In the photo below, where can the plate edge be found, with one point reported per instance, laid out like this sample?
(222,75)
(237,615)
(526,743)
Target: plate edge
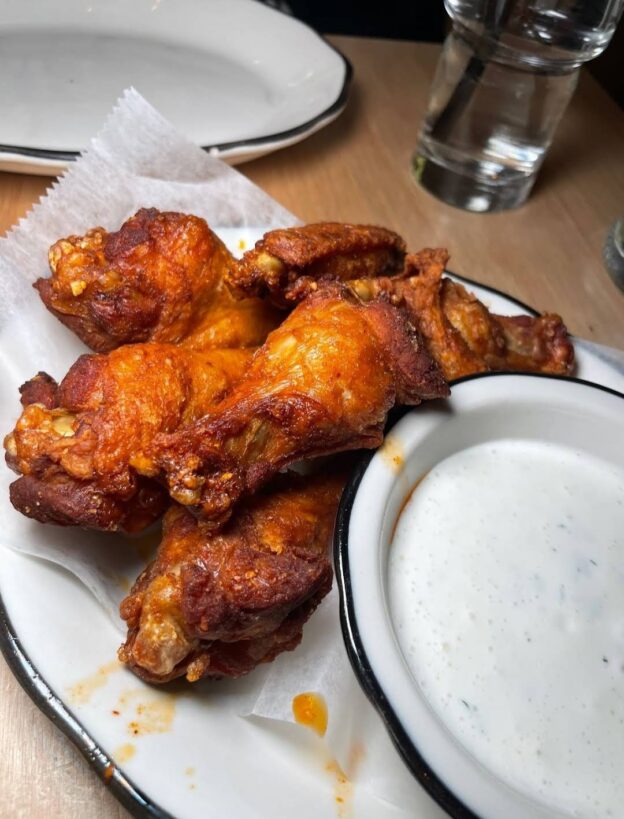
(35,686)
(228,148)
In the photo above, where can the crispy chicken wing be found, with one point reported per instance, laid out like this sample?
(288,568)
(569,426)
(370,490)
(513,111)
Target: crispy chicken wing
(55,497)
(286,265)
(84,447)
(460,332)
(218,604)
(323,382)
(158,278)
(229,323)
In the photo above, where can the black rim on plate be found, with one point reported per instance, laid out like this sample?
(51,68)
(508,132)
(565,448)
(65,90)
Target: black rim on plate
(222,147)
(52,706)
(356,652)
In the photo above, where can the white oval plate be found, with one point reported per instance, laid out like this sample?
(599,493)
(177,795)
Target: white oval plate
(234,76)
(208,762)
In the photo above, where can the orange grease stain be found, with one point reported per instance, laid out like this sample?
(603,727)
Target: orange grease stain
(406,500)
(343,789)
(242,244)
(393,453)
(145,545)
(151,714)
(357,752)
(82,691)
(190,772)
(123,583)
(124,753)
(109,770)
(310,709)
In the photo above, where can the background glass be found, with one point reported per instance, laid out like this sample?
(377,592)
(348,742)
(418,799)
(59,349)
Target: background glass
(506,74)
(613,252)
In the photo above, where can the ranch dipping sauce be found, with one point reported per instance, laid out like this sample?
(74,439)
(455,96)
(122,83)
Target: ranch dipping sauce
(506,591)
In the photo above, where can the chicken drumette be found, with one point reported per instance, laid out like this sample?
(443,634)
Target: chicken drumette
(84,447)
(323,382)
(217,604)
(158,278)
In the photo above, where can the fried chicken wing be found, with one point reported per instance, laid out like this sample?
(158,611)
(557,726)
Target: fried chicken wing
(84,447)
(218,604)
(323,382)
(534,344)
(57,498)
(237,659)
(152,280)
(229,323)
(286,265)
(460,332)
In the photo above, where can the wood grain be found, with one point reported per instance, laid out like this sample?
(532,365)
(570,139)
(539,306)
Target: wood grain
(547,253)
(41,773)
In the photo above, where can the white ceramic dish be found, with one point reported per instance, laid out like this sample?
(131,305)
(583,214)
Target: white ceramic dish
(235,76)
(57,641)
(483,408)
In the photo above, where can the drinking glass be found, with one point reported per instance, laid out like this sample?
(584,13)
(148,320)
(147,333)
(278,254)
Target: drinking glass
(506,74)
(613,252)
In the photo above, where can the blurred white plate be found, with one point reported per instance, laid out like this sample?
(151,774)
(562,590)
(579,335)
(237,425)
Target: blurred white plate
(193,756)
(235,76)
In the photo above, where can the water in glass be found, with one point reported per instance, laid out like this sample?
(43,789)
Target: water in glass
(505,77)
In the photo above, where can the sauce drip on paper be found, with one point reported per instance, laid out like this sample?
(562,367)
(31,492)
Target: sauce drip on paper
(310,709)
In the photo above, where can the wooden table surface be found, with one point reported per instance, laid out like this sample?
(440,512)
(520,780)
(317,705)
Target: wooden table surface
(547,253)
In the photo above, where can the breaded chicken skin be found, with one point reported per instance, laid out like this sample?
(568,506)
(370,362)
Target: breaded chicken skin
(286,265)
(323,382)
(460,332)
(155,279)
(217,604)
(85,448)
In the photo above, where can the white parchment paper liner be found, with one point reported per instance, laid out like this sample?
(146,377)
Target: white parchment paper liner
(139,160)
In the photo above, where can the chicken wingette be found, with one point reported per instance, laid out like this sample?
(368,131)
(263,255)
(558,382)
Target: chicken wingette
(84,447)
(218,603)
